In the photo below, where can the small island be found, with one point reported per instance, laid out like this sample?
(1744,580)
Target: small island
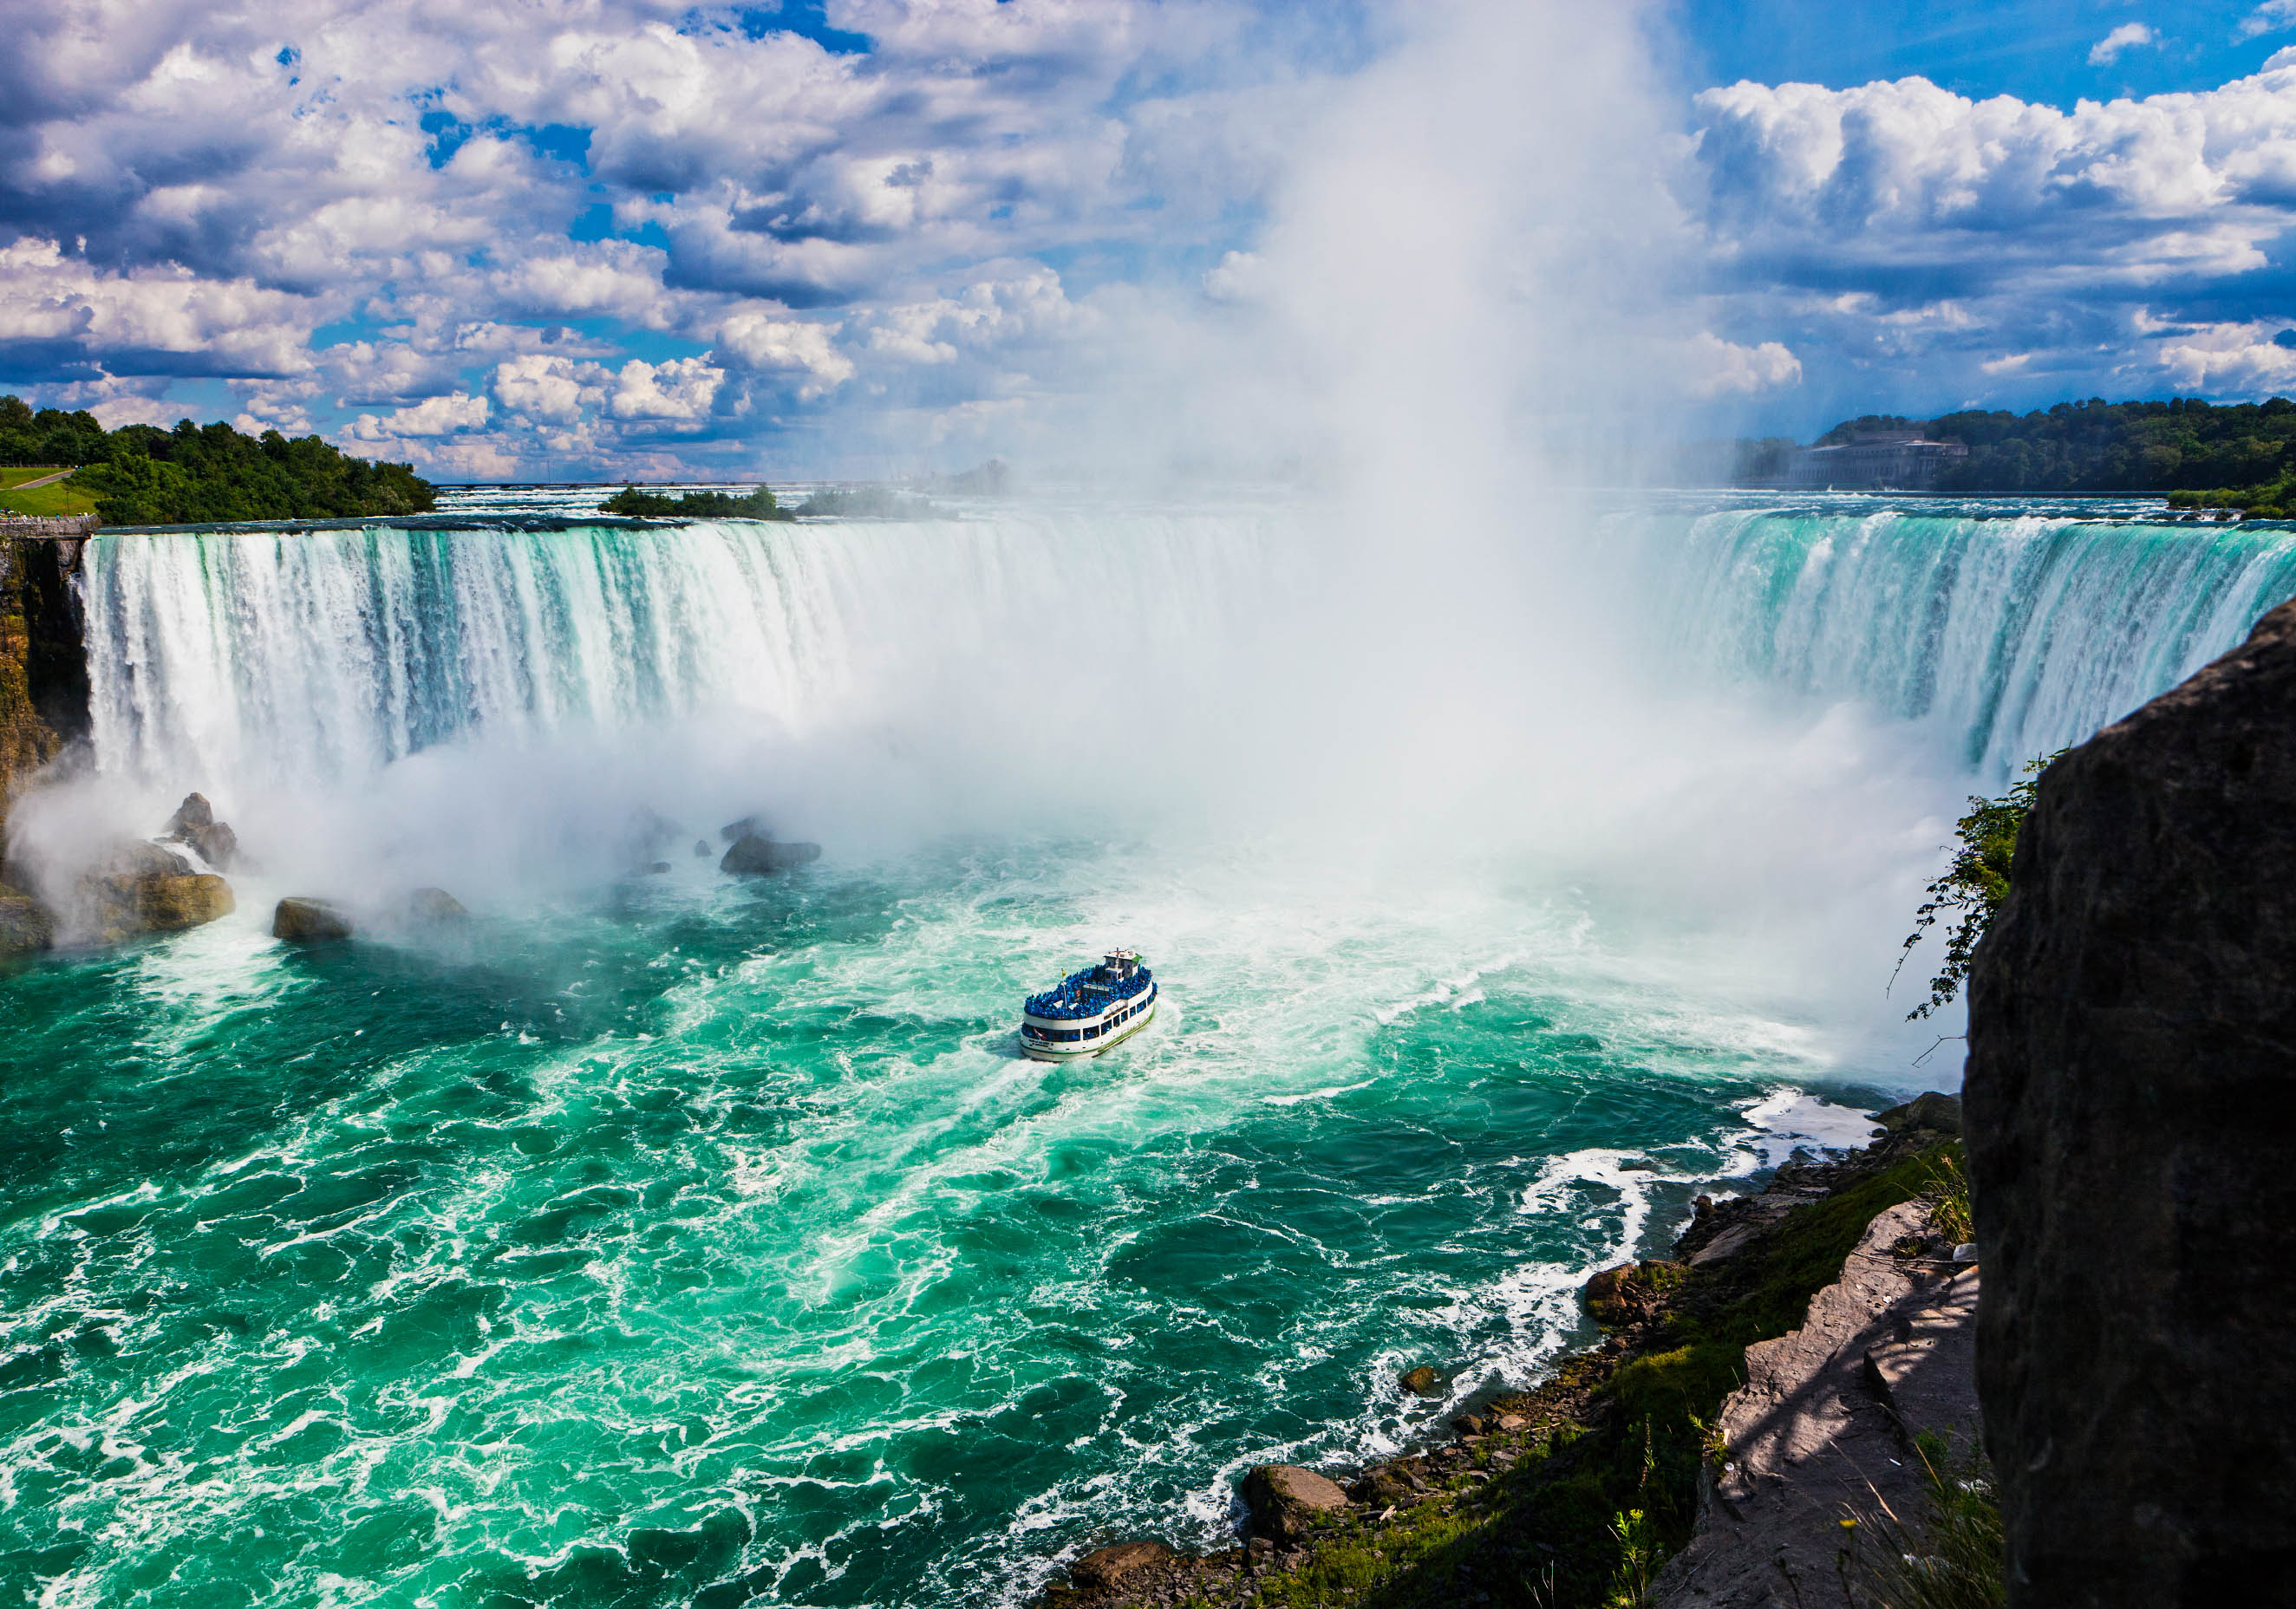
(759,504)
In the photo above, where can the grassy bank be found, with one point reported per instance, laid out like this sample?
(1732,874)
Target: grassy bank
(48,502)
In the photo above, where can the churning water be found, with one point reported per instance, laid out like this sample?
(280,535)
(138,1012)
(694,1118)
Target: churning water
(658,1239)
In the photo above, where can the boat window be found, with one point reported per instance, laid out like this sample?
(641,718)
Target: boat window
(1092,1032)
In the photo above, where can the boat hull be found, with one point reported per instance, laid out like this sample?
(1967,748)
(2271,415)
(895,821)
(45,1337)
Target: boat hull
(1036,1050)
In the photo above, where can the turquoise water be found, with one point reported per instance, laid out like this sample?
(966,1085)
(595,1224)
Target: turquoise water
(700,1244)
(658,1240)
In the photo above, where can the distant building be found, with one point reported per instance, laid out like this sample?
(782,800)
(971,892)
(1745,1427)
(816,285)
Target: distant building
(1899,461)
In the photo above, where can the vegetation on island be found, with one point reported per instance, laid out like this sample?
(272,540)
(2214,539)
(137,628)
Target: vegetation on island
(759,504)
(195,474)
(2097,446)
(1973,888)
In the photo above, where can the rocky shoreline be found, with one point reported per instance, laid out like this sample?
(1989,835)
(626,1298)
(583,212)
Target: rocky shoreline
(1577,1489)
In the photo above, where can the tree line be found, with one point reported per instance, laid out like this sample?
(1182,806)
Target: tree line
(197,474)
(2183,445)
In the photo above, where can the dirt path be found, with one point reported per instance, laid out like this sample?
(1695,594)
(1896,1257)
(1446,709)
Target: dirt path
(44,480)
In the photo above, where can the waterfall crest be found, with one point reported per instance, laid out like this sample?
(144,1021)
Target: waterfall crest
(2019,633)
(321,656)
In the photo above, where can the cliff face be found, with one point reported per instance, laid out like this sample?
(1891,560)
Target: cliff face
(2131,1131)
(43,689)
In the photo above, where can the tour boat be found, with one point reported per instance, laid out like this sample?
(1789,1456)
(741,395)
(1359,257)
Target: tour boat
(1087,1011)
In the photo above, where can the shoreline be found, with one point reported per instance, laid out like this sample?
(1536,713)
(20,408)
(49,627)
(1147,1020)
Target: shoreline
(1583,1485)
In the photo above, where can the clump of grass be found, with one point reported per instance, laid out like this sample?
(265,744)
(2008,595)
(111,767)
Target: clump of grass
(1953,1557)
(1948,1193)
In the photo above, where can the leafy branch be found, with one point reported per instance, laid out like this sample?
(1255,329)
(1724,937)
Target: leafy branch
(1973,885)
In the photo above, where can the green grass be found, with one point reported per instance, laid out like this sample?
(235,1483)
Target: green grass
(16,475)
(48,502)
(1953,1557)
(1590,1511)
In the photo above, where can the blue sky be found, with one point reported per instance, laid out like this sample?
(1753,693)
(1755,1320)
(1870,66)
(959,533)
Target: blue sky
(649,238)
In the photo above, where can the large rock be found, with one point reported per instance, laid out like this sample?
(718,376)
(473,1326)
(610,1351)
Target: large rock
(1940,1113)
(2131,1104)
(142,888)
(303,920)
(172,904)
(432,906)
(1106,1568)
(194,823)
(1286,1500)
(756,856)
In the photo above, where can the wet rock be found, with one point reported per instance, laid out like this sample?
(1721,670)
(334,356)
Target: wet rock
(1469,1425)
(701,849)
(1630,1294)
(1286,1500)
(748,827)
(1106,1568)
(433,905)
(1421,1381)
(145,887)
(1382,1488)
(2131,1103)
(1940,1113)
(194,823)
(763,857)
(302,920)
(25,929)
(657,868)
(172,904)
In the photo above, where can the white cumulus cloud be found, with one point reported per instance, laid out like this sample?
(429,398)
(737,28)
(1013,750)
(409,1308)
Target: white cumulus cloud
(681,388)
(1713,367)
(2127,36)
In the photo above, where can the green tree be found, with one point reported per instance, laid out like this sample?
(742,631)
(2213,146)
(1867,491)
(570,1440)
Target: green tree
(1974,884)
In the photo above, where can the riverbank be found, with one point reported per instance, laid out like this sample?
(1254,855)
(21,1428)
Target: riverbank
(1578,1490)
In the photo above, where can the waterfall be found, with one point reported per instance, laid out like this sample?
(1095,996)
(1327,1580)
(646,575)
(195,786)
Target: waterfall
(2020,634)
(323,656)
(320,655)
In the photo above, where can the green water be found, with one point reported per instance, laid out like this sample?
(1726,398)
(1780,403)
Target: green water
(692,1243)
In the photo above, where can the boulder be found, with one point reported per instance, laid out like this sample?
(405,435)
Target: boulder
(1286,1500)
(2131,1106)
(302,920)
(748,827)
(701,849)
(1633,1293)
(145,887)
(434,905)
(1106,1568)
(1939,1113)
(1420,1382)
(754,857)
(172,904)
(194,823)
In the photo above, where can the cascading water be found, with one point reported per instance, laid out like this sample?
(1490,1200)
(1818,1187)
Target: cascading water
(663,1239)
(2019,631)
(321,656)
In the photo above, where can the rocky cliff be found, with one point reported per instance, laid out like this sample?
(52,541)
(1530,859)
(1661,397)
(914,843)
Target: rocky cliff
(2131,1106)
(43,689)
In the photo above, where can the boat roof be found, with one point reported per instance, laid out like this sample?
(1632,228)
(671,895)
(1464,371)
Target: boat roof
(1088,993)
